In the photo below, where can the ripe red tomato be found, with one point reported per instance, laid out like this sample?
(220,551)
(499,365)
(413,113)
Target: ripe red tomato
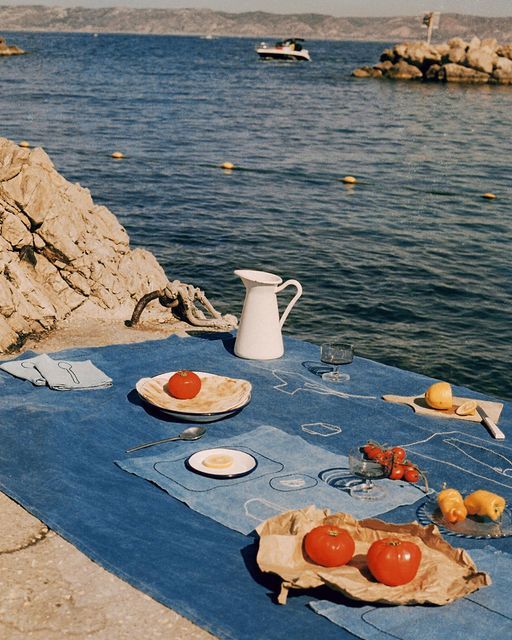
(184,385)
(397,472)
(371,450)
(411,474)
(398,454)
(329,546)
(393,561)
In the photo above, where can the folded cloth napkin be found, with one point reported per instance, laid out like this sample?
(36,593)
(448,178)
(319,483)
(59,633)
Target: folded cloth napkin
(62,375)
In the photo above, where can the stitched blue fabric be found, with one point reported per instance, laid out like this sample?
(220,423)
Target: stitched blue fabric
(481,614)
(57,454)
(288,476)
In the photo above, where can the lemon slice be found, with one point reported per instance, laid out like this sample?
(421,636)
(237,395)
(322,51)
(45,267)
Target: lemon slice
(467,408)
(218,461)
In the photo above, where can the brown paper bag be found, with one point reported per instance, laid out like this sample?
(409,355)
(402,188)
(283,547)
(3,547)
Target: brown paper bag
(445,573)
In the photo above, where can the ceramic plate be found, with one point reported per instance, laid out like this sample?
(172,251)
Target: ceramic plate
(218,398)
(471,527)
(222,463)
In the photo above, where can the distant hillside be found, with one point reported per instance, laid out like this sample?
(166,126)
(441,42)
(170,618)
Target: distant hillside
(255,24)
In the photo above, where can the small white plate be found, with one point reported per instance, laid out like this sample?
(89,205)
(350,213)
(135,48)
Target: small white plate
(242,463)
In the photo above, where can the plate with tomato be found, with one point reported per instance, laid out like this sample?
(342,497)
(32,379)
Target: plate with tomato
(195,396)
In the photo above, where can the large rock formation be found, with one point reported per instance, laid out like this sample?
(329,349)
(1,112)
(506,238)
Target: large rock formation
(9,50)
(477,61)
(62,256)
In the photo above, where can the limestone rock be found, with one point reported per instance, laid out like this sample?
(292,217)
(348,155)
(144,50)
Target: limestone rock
(457,42)
(61,255)
(505,50)
(456,55)
(367,72)
(421,55)
(14,231)
(500,76)
(404,71)
(490,43)
(481,59)
(457,73)
(477,61)
(9,50)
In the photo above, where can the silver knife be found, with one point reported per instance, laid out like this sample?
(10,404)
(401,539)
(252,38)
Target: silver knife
(491,426)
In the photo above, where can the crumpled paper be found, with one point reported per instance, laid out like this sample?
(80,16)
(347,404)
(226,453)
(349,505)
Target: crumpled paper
(445,573)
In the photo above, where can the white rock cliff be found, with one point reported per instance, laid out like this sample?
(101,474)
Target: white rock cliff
(60,254)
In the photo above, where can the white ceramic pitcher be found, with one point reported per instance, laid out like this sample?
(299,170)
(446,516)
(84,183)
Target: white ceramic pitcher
(259,333)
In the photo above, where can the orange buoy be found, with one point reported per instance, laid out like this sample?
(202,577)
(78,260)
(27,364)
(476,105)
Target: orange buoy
(24,143)
(227,165)
(489,196)
(118,155)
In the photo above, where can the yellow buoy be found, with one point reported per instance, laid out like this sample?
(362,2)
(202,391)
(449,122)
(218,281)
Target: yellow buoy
(25,144)
(118,155)
(489,196)
(349,180)
(227,165)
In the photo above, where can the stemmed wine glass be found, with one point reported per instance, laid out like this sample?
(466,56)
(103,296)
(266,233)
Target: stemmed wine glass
(336,353)
(368,470)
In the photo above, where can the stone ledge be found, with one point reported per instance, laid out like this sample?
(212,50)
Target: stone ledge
(51,591)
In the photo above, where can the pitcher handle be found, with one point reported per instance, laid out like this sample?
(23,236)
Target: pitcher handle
(298,286)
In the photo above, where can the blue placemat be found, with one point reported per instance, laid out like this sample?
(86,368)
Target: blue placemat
(290,474)
(57,453)
(481,614)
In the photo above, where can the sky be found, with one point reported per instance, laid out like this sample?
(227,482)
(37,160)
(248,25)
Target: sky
(349,8)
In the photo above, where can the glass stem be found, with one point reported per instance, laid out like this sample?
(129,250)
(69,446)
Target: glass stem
(336,371)
(368,485)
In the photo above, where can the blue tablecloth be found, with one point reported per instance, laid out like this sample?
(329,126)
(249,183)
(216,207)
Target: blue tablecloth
(57,454)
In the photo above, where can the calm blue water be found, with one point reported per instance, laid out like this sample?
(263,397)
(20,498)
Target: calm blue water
(411,264)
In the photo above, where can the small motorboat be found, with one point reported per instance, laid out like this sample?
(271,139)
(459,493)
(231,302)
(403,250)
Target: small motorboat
(290,49)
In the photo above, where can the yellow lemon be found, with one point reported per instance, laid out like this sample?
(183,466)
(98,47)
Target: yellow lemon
(218,461)
(439,396)
(467,408)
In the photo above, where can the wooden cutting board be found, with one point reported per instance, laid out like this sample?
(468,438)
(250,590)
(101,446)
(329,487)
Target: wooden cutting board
(493,409)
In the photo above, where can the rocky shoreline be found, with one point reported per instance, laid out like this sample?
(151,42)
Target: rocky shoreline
(476,62)
(62,257)
(9,49)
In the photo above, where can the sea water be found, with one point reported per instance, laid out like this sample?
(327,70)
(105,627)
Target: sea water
(411,263)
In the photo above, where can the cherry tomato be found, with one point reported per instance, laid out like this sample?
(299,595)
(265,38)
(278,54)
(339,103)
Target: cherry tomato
(399,454)
(411,474)
(384,457)
(393,561)
(397,472)
(184,385)
(371,450)
(329,546)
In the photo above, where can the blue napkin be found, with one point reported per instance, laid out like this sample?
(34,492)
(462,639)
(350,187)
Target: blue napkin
(62,375)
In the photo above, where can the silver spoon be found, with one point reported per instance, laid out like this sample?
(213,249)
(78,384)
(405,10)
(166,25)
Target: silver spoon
(192,433)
